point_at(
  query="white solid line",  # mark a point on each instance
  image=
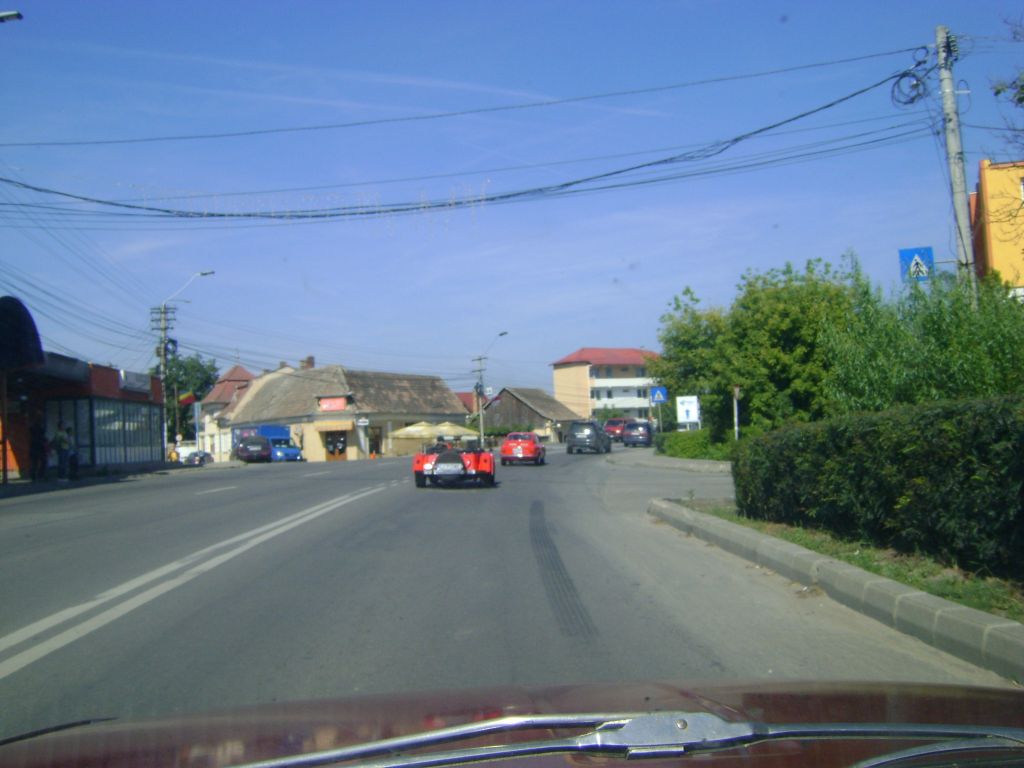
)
(256, 536)
(217, 490)
(314, 474)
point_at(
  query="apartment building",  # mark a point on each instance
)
(997, 220)
(596, 379)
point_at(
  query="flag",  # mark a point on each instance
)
(187, 399)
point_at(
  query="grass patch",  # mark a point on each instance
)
(1000, 597)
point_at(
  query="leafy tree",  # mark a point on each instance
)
(767, 344)
(928, 344)
(186, 374)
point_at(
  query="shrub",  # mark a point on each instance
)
(944, 479)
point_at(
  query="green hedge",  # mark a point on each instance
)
(944, 479)
(695, 444)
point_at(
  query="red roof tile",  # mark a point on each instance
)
(608, 356)
(227, 385)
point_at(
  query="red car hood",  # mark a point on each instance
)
(261, 733)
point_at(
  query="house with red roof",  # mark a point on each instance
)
(216, 408)
(595, 379)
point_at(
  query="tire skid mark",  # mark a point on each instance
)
(572, 616)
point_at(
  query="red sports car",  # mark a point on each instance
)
(520, 447)
(443, 464)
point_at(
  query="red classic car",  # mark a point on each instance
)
(444, 464)
(519, 447)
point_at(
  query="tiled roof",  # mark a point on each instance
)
(468, 399)
(541, 403)
(289, 395)
(378, 392)
(227, 385)
(609, 356)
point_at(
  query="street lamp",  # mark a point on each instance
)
(480, 385)
(162, 351)
(10, 16)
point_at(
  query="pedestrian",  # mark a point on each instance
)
(72, 455)
(37, 450)
(60, 444)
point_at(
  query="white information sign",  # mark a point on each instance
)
(688, 409)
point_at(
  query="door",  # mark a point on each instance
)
(335, 445)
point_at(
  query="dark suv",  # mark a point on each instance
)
(254, 448)
(587, 436)
(637, 433)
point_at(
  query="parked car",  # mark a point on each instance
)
(587, 436)
(197, 458)
(637, 433)
(520, 447)
(255, 448)
(283, 449)
(613, 428)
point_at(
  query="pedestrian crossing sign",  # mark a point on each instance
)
(659, 395)
(916, 264)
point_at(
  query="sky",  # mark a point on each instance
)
(392, 185)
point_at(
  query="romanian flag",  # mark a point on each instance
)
(187, 399)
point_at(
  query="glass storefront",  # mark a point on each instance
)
(108, 431)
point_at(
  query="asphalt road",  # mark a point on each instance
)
(209, 588)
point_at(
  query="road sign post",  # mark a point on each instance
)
(658, 396)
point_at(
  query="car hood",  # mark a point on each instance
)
(272, 731)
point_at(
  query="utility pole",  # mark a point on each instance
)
(161, 320)
(480, 395)
(947, 51)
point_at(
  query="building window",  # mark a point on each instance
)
(595, 394)
(610, 395)
(608, 372)
(641, 372)
(641, 393)
(593, 372)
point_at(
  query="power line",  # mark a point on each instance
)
(455, 113)
(366, 211)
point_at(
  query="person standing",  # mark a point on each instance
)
(37, 450)
(60, 444)
(72, 455)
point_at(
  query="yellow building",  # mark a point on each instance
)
(997, 221)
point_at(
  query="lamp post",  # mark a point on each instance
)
(6, 16)
(163, 321)
(480, 384)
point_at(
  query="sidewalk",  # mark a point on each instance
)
(87, 477)
(988, 641)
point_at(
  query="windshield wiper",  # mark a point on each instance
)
(632, 736)
(52, 729)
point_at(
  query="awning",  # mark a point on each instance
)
(334, 426)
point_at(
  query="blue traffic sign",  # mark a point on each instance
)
(916, 264)
(659, 395)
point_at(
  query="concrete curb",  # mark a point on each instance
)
(706, 466)
(988, 641)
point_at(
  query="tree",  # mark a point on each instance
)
(186, 374)
(928, 344)
(767, 344)
(1011, 90)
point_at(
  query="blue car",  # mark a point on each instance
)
(283, 449)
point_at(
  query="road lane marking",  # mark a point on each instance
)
(217, 490)
(316, 474)
(245, 541)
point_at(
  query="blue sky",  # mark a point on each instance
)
(427, 291)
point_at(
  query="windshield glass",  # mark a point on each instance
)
(707, 258)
